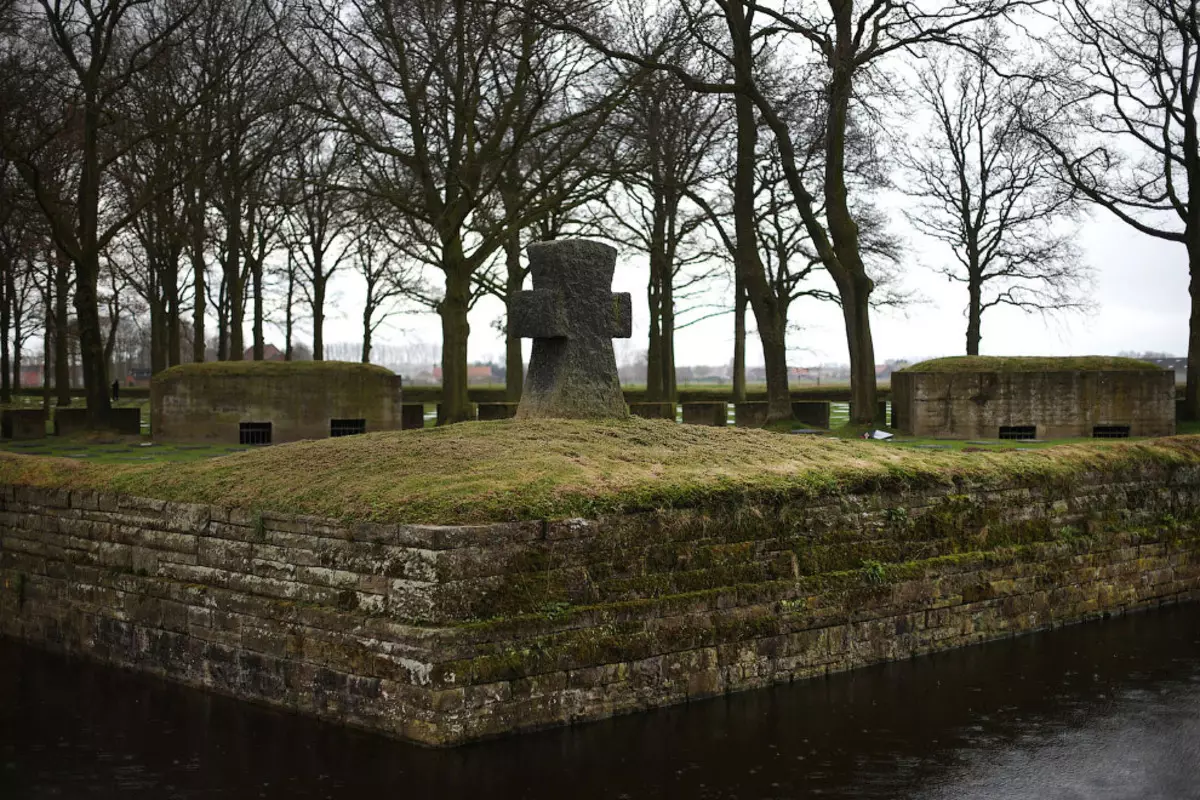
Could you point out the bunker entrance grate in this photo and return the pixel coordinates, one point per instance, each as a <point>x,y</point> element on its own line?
<point>1018,432</point>
<point>1110,432</point>
<point>347,427</point>
<point>254,433</point>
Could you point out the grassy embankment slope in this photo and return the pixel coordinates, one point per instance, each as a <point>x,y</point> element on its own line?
<point>495,471</point>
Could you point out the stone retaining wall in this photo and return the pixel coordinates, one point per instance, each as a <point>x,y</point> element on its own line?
<point>446,634</point>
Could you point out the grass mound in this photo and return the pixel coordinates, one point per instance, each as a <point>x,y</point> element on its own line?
<point>1033,364</point>
<point>333,369</point>
<point>553,469</point>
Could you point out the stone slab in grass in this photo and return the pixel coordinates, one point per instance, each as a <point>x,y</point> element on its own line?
<point>711,414</point>
<point>412,415</point>
<point>812,412</point>
<point>493,411</point>
<point>648,410</point>
<point>126,421</point>
<point>23,423</point>
<point>752,414</point>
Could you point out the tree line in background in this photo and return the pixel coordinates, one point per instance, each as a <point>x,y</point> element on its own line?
<point>192,169</point>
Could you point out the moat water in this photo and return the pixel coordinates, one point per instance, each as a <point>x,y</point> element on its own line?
<point>1108,709</point>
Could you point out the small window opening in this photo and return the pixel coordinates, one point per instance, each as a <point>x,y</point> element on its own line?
<point>1110,432</point>
<point>254,433</point>
<point>347,427</point>
<point>1018,432</point>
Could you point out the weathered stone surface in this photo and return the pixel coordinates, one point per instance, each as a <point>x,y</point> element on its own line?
<point>493,411</point>
<point>412,415</point>
<point>68,421</point>
<point>811,412</point>
<point>711,414</point>
<point>572,315</point>
<point>752,414</point>
<point>974,405</point>
<point>443,634</point>
<point>23,423</point>
<point>653,410</point>
<point>208,402</point>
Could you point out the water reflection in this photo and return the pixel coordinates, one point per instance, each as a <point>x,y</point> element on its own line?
<point>1104,710</point>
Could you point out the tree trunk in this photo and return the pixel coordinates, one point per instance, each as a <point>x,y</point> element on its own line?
<point>6,300</point>
<point>771,329</point>
<point>739,340</point>
<point>853,284</point>
<point>91,342</point>
<point>260,345</point>
<point>368,312</point>
<point>667,332</point>
<point>974,316</point>
<point>514,358</point>
<point>62,356</point>
<point>863,392</point>
<point>171,299</point>
<point>235,290</point>
<point>456,404</point>
<point>1191,401</point>
<point>655,389</point>
<point>289,321</point>
<point>199,268</point>
<point>18,327</point>
<point>158,337</point>
<point>318,314</point>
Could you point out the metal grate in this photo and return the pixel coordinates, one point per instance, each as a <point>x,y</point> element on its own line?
<point>1018,432</point>
<point>1110,432</point>
<point>254,433</point>
<point>347,427</point>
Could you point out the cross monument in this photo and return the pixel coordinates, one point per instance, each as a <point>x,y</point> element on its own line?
<point>572,315</point>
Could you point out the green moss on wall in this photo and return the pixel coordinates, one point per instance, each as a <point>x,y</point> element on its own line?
<point>1033,364</point>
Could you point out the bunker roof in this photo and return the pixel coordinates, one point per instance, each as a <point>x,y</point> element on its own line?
<point>270,369</point>
<point>558,469</point>
<point>1033,364</point>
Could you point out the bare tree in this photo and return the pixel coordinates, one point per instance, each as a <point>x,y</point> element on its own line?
<point>88,52</point>
<point>388,278</point>
<point>1126,75</point>
<point>986,188</point>
<point>321,220</point>
<point>433,94</point>
<point>849,43</point>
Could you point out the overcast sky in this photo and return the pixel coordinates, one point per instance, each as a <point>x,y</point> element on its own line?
<point>1141,290</point>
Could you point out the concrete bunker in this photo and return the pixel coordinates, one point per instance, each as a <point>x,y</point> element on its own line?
<point>268,402</point>
<point>980,397</point>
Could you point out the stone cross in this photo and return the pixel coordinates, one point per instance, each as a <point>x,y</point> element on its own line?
<point>572,315</point>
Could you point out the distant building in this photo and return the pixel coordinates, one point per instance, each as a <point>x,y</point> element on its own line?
<point>270,353</point>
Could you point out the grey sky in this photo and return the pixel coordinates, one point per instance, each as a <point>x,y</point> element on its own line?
<point>1141,291</point>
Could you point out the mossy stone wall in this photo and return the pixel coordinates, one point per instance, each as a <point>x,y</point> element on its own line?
<point>207,402</point>
<point>1063,404</point>
<point>444,634</point>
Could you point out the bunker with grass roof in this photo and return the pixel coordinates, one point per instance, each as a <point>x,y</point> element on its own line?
<point>980,397</point>
<point>265,402</point>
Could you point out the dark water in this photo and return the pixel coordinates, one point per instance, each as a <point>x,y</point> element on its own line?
<point>1104,710</point>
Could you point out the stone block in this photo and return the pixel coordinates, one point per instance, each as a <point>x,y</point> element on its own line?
<point>710,413</point>
<point>653,410</point>
<point>494,411</point>
<point>125,421</point>
<point>750,414</point>
<point>412,415</point>
<point>814,413</point>
<point>23,423</point>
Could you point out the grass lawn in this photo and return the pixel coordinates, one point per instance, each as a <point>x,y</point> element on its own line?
<point>509,470</point>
